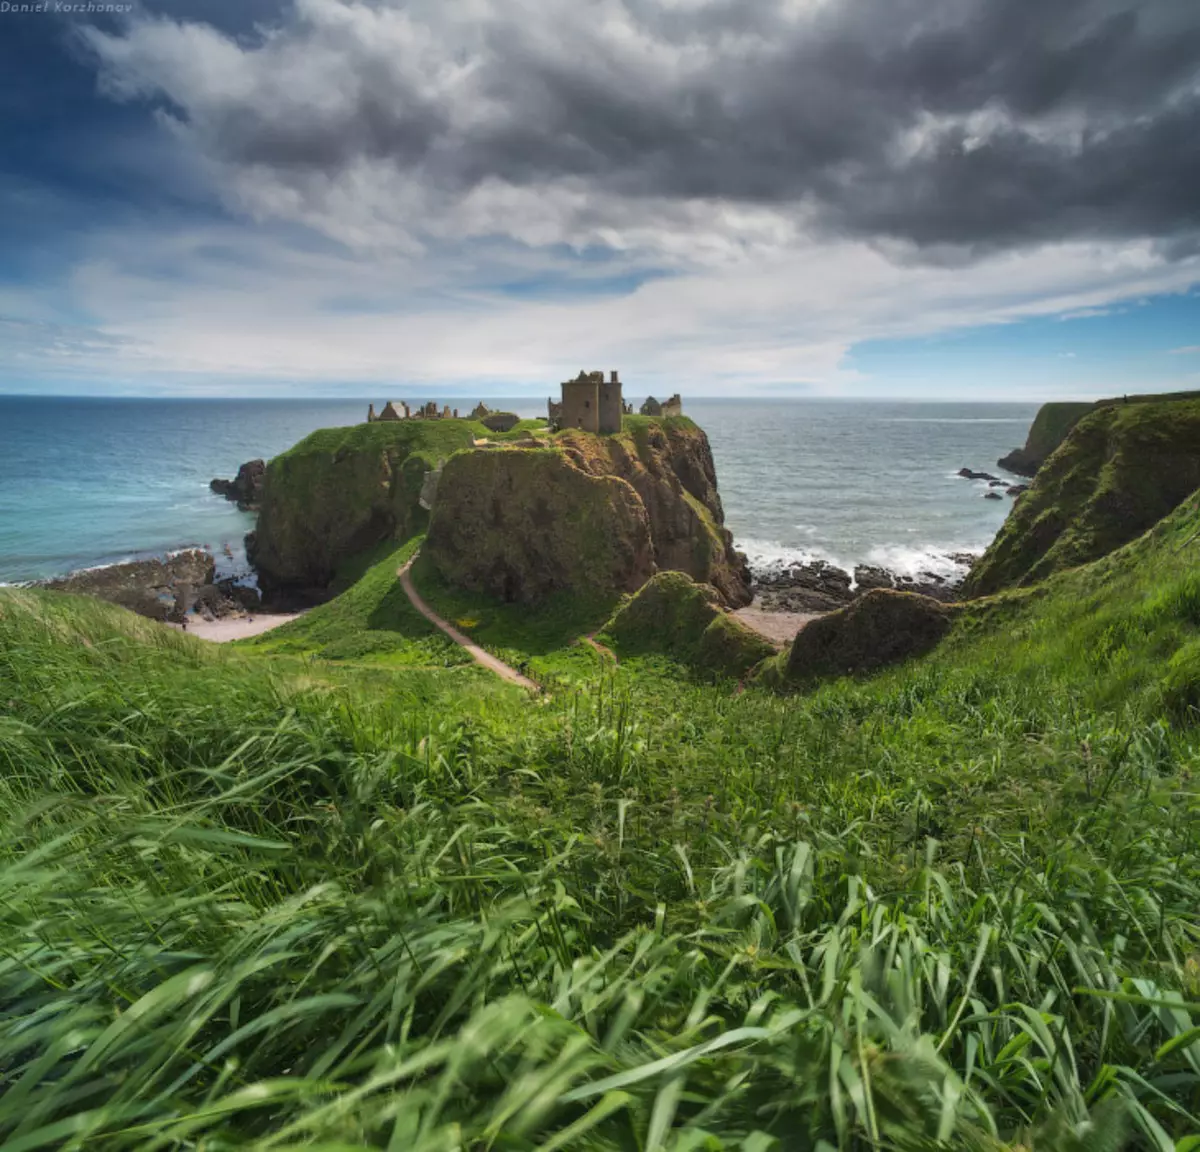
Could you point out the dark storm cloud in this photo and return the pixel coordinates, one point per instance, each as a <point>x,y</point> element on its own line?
<point>962,122</point>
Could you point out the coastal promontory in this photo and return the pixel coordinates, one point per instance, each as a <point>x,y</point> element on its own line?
<point>578,511</point>
<point>518,514</point>
<point>1120,470</point>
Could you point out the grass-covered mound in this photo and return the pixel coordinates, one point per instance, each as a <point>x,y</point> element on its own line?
<point>1122,468</point>
<point>673,615</point>
<point>880,628</point>
<point>342,491</point>
<point>257,901</point>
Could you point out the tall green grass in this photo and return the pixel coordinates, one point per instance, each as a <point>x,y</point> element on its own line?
<point>288,903</point>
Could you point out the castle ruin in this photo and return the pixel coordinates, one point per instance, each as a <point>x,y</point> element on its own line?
<point>589,402</point>
<point>671,407</point>
<point>401,411</point>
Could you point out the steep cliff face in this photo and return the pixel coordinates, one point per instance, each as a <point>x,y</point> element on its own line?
<point>1053,424</point>
<point>1049,429</point>
<point>520,523</point>
<point>1122,468</point>
<point>669,464</point>
<point>339,492</point>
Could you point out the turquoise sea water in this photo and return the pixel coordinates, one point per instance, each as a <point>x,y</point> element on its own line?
<point>94,481</point>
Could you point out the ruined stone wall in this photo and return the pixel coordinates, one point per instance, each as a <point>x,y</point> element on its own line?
<point>610,407</point>
<point>581,405</point>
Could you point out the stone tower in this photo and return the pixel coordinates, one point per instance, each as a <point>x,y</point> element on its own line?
<point>610,405</point>
<point>581,402</point>
<point>591,403</point>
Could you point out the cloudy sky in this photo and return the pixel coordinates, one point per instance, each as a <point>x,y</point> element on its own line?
<point>951,198</point>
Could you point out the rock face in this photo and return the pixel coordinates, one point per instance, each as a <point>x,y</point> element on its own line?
<point>245,488</point>
<point>1054,422</point>
<point>669,463</point>
<point>674,615</point>
<point>822,587</point>
<point>340,492</point>
<point>1120,471</point>
<point>882,627</point>
<point>152,588</point>
<point>519,524</point>
<point>1049,429</point>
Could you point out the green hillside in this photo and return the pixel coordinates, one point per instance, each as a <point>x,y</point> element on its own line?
<point>1121,469</point>
<point>323,890</point>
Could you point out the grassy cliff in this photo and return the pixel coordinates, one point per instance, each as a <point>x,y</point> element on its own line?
<point>586,513</point>
<point>342,491</point>
<point>522,523</point>
<point>1054,421</point>
<point>1121,469</point>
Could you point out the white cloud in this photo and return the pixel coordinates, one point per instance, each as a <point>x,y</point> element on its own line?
<point>745,295</point>
<point>256,306</point>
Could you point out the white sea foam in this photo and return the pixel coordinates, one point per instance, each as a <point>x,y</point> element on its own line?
<point>770,553</point>
<point>902,559</point>
<point>906,560</point>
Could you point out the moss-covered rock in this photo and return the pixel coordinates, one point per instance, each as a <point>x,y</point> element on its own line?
<point>1122,468</point>
<point>881,627</point>
<point>674,615</point>
<point>522,523</point>
<point>342,491</point>
<point>669,463</point>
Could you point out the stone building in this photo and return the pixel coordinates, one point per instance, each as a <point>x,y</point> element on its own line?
<point>394,410</point>
<point>589,402</point>
<point>671,407</point>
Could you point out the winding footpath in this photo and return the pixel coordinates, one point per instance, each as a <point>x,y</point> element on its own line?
<point>486,659</point>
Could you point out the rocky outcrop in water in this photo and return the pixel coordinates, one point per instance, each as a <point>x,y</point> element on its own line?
<point>245,489</point>
<point>819,586</point>
<point>586,514</point>
<point>158,588</point>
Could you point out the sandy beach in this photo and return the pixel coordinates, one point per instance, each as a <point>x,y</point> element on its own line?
<point>235,628</point>
<point>778,627</point>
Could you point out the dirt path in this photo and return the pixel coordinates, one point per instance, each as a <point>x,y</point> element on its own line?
<point>591,641</point>
<point>486,659</point>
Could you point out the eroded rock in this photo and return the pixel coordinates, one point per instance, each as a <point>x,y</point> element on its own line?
<point>882,627</point>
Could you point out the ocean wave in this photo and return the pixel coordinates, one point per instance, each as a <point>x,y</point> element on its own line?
<point>902,559</point>
<point>767,553</point>
<point>910,560</point>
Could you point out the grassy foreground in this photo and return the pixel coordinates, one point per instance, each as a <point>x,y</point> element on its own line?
<point>255,898</point>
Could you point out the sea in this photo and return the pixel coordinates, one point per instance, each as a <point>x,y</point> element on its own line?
<point>90,481</point>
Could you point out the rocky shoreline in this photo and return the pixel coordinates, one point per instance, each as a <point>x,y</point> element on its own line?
<point>170,588</point>
<point>818,586</point>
